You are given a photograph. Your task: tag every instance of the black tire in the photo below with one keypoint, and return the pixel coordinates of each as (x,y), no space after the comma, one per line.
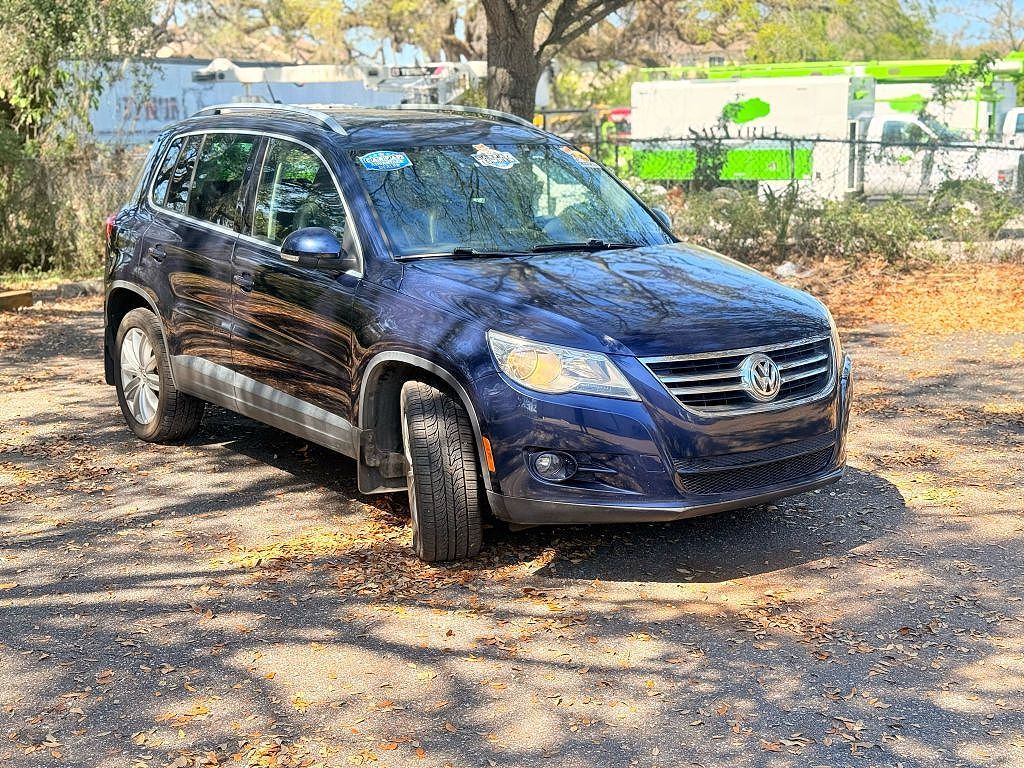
(177,416)
(442,474)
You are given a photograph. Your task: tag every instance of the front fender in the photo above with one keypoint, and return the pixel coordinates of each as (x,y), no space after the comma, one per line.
(369,478)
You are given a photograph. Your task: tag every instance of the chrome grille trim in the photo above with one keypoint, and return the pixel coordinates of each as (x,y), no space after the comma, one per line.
(797,363)
(804,374)
(733,352)
(709,383)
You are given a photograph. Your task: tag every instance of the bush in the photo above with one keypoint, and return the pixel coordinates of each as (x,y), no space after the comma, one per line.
(851,229)
(53,203)
(777,225)
(969,209)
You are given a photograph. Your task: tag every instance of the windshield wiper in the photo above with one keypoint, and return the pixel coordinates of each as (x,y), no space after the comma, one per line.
(590,245)
(462,253)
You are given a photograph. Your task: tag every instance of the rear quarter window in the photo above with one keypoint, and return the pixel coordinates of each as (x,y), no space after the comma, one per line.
(181,177)
(163,174)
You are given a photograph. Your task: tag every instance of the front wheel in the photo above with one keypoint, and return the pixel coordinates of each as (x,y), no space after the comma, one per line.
(442,474)
(154,409)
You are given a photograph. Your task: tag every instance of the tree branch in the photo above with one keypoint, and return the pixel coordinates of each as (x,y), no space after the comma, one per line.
(570,21)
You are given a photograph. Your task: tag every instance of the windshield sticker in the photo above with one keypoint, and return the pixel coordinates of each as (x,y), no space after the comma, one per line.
(384,160)
(579,157)
(489,157)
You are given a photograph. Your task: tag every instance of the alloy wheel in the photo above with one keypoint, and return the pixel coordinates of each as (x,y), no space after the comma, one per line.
(140,379)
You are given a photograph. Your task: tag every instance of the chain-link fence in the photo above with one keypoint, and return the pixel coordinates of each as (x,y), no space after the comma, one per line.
(773,198)
(820,168)
(53,204)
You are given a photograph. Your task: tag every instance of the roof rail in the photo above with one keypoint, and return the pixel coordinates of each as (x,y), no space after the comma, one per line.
(457,108)
(321,118)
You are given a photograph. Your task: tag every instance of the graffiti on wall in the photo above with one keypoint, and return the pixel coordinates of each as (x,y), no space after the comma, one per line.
(163,109)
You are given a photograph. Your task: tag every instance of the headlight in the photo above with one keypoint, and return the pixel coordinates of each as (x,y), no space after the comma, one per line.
(558,370)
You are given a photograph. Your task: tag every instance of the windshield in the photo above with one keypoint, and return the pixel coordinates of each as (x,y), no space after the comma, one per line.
(499,198)
(944,132)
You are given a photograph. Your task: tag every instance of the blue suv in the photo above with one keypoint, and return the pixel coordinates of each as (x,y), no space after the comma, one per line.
(473,310)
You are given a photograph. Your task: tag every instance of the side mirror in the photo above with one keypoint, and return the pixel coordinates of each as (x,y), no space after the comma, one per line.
(663,217)
(315,248)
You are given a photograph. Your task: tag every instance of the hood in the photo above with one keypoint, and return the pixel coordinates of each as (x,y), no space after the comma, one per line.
(657,300)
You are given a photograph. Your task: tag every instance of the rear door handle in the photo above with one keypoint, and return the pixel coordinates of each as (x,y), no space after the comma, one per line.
(243,280)
(156,252)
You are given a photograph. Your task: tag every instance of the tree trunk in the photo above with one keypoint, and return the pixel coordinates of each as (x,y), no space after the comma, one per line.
(512,66)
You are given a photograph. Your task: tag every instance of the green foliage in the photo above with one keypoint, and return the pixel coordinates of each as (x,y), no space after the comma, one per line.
(780,225)
(578,87)
(53,204)
(57,55)
(711,154)
(475,96)
(26,209)
(851,229)
(968,209)
(56,189)
(845,29)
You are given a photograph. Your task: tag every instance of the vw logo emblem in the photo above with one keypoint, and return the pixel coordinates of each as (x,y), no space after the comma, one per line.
(760,377)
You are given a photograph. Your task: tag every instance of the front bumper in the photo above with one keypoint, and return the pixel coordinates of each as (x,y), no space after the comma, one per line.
(541,512)
(658,464)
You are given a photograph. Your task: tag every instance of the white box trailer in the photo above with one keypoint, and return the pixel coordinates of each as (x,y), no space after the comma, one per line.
(824,133)
(768,132)
(809,107)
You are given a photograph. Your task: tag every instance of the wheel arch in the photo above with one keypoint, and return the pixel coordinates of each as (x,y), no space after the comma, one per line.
(122,297)
(379,413)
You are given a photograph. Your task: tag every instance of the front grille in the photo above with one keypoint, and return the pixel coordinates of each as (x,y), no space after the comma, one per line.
(710,382)
(756,476)
(760,456)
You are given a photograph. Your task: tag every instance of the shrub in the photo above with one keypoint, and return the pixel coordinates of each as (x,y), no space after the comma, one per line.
(969,209)
(53,203)
(851,229)
(776,225)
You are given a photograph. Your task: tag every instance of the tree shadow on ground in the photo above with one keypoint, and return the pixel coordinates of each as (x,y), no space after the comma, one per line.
(233,596)
(729,545)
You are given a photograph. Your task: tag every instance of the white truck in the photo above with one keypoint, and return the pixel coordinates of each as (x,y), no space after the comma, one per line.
(823,132)
(1012,134)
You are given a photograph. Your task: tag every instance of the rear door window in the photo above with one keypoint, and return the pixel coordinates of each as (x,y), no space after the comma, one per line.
(181,178)
(218,178)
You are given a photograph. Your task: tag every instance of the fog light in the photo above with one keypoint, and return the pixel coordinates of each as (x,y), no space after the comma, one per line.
(554,466)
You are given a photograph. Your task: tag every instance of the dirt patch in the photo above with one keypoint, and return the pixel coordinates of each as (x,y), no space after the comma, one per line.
(931,299)
(234,600)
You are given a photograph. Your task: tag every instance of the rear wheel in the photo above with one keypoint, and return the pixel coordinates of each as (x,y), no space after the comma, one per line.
(152,407)
(441,473)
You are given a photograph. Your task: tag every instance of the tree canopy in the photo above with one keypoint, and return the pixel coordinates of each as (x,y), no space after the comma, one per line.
(37,88)
(519,38)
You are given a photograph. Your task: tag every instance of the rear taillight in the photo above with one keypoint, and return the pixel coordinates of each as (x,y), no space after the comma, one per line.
(110,226)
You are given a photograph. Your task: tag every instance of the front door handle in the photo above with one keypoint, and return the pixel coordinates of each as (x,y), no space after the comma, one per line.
(156,252)
(243,280)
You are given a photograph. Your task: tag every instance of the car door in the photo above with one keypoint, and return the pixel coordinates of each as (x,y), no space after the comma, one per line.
(294,325)
(196,198)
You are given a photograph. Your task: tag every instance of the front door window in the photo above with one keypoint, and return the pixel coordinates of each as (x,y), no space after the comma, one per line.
(295,190)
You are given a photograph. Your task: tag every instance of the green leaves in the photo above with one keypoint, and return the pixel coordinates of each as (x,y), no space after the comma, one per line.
(57,56)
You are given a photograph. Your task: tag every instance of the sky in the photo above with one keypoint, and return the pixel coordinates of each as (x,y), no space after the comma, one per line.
(965,19)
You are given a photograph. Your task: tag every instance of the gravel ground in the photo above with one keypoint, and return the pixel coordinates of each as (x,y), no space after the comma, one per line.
(234,601)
